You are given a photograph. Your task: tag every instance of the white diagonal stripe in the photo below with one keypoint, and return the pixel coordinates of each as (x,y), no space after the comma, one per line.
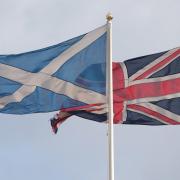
(158,60)
(159,79)
(162,111)
(51,83)
(17,96)
(54,65)
(146,114)
(151,99)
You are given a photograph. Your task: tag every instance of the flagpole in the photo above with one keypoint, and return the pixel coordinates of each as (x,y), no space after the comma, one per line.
(110,96)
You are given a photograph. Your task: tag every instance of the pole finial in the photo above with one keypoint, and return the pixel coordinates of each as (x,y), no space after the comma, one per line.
(109,17)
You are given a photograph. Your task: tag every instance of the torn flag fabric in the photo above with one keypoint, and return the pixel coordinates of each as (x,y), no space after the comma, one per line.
(146,91)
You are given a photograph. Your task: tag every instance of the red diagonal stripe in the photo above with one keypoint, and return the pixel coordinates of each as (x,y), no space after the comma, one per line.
(153,113)
(159,65)
(80,107)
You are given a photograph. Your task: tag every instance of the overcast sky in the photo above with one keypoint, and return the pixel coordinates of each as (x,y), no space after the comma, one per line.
(28,148)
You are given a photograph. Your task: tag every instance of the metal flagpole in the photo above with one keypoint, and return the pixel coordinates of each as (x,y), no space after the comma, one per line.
(110,96)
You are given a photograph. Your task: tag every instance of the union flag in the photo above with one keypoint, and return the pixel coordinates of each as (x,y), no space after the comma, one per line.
(146,91)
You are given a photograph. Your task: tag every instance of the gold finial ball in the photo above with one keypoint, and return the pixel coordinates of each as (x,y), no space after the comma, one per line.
(109,17)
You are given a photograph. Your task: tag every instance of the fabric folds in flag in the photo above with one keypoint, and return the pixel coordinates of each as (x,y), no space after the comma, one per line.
(146,91)
(66,75)
(152,92)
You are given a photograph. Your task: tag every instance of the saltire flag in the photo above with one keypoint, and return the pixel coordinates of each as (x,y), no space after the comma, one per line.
(146,91)
(66,75)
